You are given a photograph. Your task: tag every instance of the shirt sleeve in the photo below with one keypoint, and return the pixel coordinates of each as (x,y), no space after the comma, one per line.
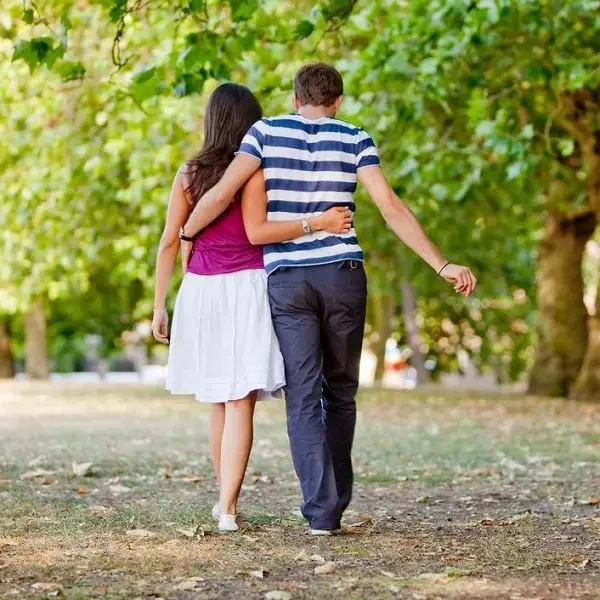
(366,151)
(254,140)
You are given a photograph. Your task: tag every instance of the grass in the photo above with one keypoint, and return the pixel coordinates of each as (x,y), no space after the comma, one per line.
(456,497)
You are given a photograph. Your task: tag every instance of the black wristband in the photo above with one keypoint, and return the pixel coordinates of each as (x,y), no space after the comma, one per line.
(185,238)
(440,271)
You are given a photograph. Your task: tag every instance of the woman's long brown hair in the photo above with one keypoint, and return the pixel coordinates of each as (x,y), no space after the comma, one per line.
(231,110)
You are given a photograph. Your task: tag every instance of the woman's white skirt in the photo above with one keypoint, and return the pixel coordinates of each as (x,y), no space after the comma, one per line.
(223,345)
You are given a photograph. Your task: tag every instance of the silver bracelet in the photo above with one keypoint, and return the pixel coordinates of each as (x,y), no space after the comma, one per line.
(157,309)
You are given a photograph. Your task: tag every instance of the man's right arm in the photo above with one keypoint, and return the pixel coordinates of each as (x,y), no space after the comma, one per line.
(214,202)
(406,226)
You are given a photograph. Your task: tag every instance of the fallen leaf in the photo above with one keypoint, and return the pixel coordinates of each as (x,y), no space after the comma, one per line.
(423,500)
(317,558)
(41,586)
(388,574)
(278,595)
(580,564)
(432,576)
(188,584)
(189,533)
(303,556)
(192,532)
(367,521)
(325,569)
(259,573)
(119,489)
(96,509)
(593,500)
(37,474)
(82,490)
(82,469)
(141,533)
(486,522)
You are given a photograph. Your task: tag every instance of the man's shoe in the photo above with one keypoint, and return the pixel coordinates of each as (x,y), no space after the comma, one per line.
(325,531)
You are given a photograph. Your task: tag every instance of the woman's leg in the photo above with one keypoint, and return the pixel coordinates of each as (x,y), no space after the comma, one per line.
(235,450)
(215,436)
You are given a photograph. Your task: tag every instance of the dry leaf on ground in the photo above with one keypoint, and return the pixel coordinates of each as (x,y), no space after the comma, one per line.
(259,573)
(37,474)
(119,489)
(82,469)
(141,533)
(189,584)
(325,569)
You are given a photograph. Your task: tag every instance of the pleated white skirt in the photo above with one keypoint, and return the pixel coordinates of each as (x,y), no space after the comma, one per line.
(223,345)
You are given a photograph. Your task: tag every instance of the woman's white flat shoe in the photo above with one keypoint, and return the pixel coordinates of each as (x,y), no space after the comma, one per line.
(216,512)
(228,523)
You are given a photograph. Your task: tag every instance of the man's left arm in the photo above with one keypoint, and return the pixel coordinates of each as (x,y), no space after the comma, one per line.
(406,226)
(214,202)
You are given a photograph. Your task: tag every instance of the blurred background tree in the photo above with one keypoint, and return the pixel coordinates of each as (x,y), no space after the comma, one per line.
(485,111)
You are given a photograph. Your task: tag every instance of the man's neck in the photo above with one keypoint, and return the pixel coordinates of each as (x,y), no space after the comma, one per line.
(315,112)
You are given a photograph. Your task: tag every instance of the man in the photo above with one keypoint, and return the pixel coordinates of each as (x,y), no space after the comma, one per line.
(317,284)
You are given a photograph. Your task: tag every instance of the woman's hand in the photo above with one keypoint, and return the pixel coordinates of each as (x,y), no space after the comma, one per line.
(160,326)
(335,220)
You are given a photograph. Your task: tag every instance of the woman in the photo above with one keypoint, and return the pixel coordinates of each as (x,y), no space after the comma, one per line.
(223,347)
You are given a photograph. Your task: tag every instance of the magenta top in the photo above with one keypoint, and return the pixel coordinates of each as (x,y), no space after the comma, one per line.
(224,247)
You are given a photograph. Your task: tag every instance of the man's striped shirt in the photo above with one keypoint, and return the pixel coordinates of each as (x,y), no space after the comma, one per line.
(309,165)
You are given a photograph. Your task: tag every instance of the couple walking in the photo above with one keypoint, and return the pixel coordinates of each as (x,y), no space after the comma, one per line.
(275,291)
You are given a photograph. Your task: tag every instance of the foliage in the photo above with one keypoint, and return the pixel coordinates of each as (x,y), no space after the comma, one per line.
(469,101)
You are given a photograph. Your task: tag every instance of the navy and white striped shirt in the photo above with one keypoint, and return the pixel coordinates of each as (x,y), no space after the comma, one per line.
(309,166)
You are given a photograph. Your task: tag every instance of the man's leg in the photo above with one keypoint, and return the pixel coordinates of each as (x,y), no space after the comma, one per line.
(344,305)
(296,317)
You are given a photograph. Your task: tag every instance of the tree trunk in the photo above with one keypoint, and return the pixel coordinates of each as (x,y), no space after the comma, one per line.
(413,334)
(7,363)
(562,316)
(382,310)
(36,349)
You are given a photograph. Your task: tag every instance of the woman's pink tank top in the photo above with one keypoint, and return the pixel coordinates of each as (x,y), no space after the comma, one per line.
(224,247)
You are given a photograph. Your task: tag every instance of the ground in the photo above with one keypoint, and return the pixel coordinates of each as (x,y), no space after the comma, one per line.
(456,497)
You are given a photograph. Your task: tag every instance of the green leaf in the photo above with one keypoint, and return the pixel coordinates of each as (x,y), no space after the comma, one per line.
(190,83)
(147,83)
(144,75)
(28,16)
(304,29)
(66,22)
(70,70)
(242,10)
(117,10)
(194,6)
(25,51)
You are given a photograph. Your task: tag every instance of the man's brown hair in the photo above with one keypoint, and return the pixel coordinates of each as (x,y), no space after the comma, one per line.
(318,84)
